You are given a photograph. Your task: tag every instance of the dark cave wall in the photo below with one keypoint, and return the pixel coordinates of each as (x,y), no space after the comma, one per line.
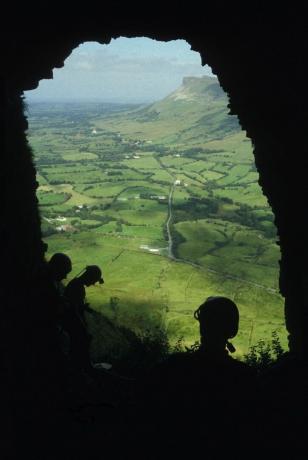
(265,80)
(22,254)
(259,59)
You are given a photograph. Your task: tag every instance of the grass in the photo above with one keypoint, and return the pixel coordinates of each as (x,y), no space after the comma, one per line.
(249,195)
(211,242)
(50,198)
(75,156)
(179,288)
(190,141)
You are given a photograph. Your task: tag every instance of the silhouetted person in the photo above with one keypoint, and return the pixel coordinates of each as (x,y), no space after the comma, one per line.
(49,363)
(218,321)
(203,394)
(48,291)
(75,322)
(59,266)
(228,381)
(75,290)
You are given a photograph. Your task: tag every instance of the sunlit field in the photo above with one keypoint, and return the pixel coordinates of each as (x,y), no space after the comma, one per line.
(109,179)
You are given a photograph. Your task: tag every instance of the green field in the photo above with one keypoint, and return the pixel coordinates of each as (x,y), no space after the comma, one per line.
(166,292)
(105,176)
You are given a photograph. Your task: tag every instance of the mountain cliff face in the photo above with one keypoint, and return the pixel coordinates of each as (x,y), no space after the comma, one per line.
(198,108)
(193,87)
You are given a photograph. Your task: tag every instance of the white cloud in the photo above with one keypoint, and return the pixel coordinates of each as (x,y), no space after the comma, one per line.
(127,70)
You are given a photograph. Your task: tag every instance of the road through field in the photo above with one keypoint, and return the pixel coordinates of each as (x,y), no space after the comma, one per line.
(170,241)
(201,267)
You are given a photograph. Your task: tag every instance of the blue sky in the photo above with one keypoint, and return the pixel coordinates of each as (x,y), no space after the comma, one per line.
(126,70)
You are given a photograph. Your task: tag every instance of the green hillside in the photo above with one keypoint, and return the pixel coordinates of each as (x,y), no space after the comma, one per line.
(199,106)
(166,199)
(195,112)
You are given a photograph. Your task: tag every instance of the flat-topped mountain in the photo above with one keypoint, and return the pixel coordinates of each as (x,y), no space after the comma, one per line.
(197,108)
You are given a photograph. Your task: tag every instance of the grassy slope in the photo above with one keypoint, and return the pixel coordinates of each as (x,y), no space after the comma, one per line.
(166,292)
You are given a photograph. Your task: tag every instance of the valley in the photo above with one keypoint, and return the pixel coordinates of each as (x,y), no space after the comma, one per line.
(165,198)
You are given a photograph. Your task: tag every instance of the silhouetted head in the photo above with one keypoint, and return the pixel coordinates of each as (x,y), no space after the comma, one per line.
(219,319)
(60,265)
(92,275)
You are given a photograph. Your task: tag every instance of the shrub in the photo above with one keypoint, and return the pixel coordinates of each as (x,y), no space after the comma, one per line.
(263,355)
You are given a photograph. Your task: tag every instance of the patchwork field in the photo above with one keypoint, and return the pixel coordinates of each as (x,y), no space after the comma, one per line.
(113,181)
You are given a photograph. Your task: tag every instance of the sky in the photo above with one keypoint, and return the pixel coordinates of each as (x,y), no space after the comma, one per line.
(128,70)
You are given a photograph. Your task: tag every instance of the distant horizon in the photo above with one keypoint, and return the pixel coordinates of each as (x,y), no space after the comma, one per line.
(50,100)
(83,101)
(126,71)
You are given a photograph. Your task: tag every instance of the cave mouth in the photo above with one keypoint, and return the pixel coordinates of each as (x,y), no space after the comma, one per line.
(259,59)
(193,213)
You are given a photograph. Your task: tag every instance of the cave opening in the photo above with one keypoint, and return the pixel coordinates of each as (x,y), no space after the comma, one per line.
(131,173)
(260,59)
